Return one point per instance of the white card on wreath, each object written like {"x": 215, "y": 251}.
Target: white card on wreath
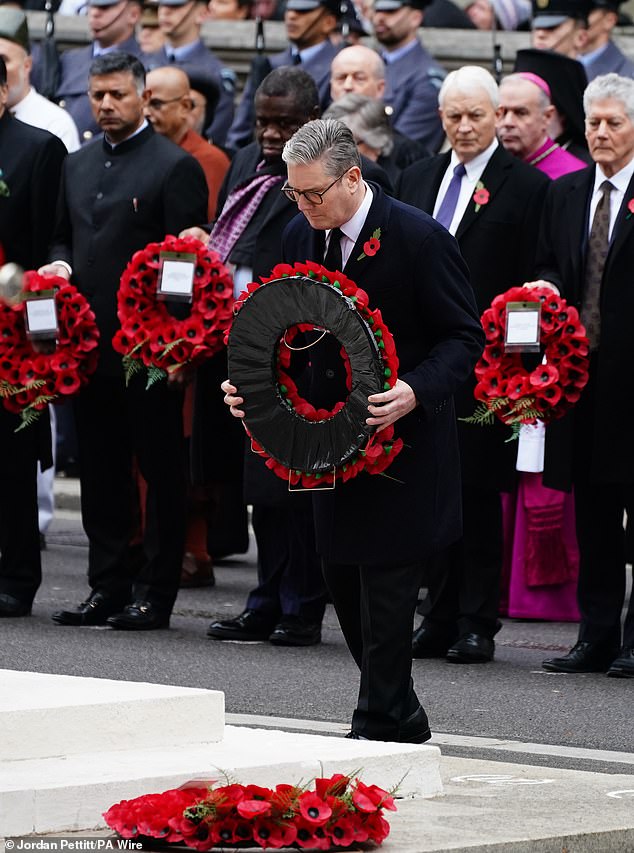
{"x": 41, "y": 316}
{"x": 176, "y": 276}
{"x": 522, "y": 326}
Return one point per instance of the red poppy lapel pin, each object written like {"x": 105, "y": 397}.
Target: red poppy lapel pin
{"x": 630, "y": 208}
{"x": 371, "y": 246}
{"x": 4, "y": 189}
{"x": 481, "y": 196}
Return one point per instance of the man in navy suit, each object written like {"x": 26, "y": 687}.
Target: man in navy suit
{"x": 112, "y": 27}
{"x": 586, "y": 249}
{"x": 180, "y": 21}
{"x": 412, "y": 76}
{"x": 309, "y": 25}
{"x": 373, "y": 533}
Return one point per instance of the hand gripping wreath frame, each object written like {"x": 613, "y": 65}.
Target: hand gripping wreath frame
{"x": 311, "y": 447}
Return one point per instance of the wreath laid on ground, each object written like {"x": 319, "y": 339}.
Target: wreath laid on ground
{"x": 29, "y": 379}
{"x": 339, "y": 812}
{"x": 509, "y": 391}
{"x": 154, "y": 340}
{"x": 303, "y": 444}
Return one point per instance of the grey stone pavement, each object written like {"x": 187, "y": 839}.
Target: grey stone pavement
{"x": 531, "y": 761}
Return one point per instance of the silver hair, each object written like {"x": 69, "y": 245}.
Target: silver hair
{"x": 323, "y": 139}
{"x": 468, "y": 80}
{"x": 367, "y": 120}
{"x": 543, "y": 101}
{"x": 610, "y": 86}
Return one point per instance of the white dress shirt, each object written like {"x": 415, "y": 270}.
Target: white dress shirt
{"x": 36, "y": 110}
{"x": 473, "y": 172}
{"x": 620, "y": 182}
{"x": 351, "y": 229}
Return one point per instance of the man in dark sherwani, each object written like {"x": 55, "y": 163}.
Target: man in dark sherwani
{"x": 117, "y": 195}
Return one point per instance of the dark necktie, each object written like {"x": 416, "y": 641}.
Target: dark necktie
{"x": 333, "y": 259}
{"x": 448, "y": 205}
{"x": 598, "y": 245}
{"x": 297, "y": 59}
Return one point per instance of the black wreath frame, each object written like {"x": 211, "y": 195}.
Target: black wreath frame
{"x": 258, "y": 327}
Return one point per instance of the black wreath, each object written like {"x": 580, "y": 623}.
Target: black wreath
{"x": 259, "y": 326}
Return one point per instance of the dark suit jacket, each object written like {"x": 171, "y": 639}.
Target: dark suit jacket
{"x": 412, "y": 86}
{"x": 200, "y": 56}
{"x": 112, "y": 203}
{"x": 73, "y": 85}
{"x": 498, "y": 243}
{"x": 420, "y": 283}
{"x": 318, "y": 67}
{"x": 608, "y": 453}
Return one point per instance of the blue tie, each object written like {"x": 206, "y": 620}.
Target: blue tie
{"x": 449, "y": 202}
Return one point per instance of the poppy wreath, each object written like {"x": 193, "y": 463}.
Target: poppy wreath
{"x": 30, "y": 380}
{"x": 150, "y": 337}
{"x": 291, "y": 421}
{"x": 508, "y": 390}
{"x": 339, "y": 813}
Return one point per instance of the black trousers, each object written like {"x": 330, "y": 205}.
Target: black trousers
{"x": 464, "y": 579}
{"x": 290, "y": 581}
{"x": 375, "y": 607}
{"x": 20, "y": 564}
{"x": 601, "y": 590}
{"x": 116, "y": 424}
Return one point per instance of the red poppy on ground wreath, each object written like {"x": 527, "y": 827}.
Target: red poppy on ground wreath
{"x": 382, "y": 447}
{"x": 506, "y": 389}
{"x": 340, "y": 812}
{"x": 150, "y": 337}
{"x": 30, "y": 380}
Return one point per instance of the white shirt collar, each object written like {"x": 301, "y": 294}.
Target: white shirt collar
{"x": 352, "y": 228}
{"x": 620, "y": 181}
{"x": 475, "y": 167}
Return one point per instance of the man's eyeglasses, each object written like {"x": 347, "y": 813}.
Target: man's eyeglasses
{"x": 158, "y": 104}
{"x": 311, "y": 196}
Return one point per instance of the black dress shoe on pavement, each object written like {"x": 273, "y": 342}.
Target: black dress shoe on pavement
{"x": 431, "y": 641}
{"x": 355, "y": 736}
{"x": 415, "y": 729}
{"x": 11, "y": 606}
{"x": 94, "y": 611}
{"x": 471, "y": 648}
{"x": 250, "y": 625}
{"x": 139, "y": 616}
{"x": 583, "y": 657}
{"x": 623, "y": 666}
{"x": 295, "y": 631}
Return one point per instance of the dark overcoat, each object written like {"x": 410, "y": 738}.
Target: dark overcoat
{"x": 608, "y": 449}
{"x": 498, "y": 243}
{"x": 420, "y": 283}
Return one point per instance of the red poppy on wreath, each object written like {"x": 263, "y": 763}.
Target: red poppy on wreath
{"x": 630, "y": 208}
{"x": 371, "y": 246}
{"x": 29, "y": 379}
{"x": 151, "y": 339}
{"x": 506, "y": 389}
{"x": 481, "y": 196}
{"x": 340, "y": 812}
{"x": 382, "y": 447}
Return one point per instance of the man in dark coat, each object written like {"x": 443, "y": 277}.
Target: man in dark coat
{"x": 586, "y": 250}
{"x": 412, "y": 76}
{"x": 373, "y": 533}
{"x": 181, "y": 22}
{"x": 497, "y": 240}
{"x": 112, "y": 28}
{"x": 118, "y": 194}
{"x": 309, "y": 25}
{"x": 31, "y": 166}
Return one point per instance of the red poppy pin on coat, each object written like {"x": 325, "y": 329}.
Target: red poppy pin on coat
{"x": 371, "y": 246}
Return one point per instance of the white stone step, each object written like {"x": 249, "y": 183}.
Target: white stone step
{"x": 78, "y": 745}
{"x": 43, "y": 715}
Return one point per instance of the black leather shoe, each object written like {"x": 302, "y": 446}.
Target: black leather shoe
{"x": 250, "y": 625}
{"x": 295, "y": 631}
{"x": 94, "y": 611}
{"x": 583, "y": 657}
{"x": 355, "y": 736}
{"x": 431, "y": 641}
{"x": 471, "y": 648}
{"x": 415, "y": 729}
{"x": 623, "y": 666}
{"x": 139, "y": 616}
{"x": 11, "y": 606}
